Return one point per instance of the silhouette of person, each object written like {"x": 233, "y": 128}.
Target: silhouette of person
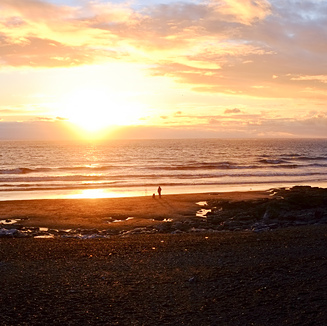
{"x": 159, "y": 191}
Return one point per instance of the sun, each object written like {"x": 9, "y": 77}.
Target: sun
{"x": 94, "y": 110}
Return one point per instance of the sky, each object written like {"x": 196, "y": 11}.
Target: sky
{"x": 74, "y": 69}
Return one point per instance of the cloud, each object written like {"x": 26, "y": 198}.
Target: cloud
{"x": 216, "y": 46}
{"x": 311, "y": 127}
{"x": 245, "y": 12}
{"x": 285, "y": 43}
{"x": 34, "y": 9}
{"x": 318, "y": 78}
{"x": 61, "y": 119}
{"x": 263, "y": 124}
{"x": 56, "y": 119}
{"x": 35, "y": 130}
{"x": 36, "y": 52}
{"x": 36, "y": 33}
{"x": 42, "y": 119}
{"x": 256, "y": 125}
{"x": 96, "y": 24}
{"x": 229, "y": 111}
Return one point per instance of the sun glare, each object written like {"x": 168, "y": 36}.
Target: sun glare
{"x": 91, "y": 194}
{"x": 99, "y": 193}
{"x": 94, "y": 110}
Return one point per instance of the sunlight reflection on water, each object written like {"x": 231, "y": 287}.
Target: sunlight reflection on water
{"x": 202, "y": 203}
{"x": 8, "y": 221}
{"x": 203, "y": 212}
{"x": 44, "y": 236}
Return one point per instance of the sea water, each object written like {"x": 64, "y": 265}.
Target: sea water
{"x": 30, "y": 170}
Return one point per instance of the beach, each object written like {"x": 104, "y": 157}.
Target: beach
{"x": 270, "y": 278}
{"x": 100, "y": 213}
{"x": 199, "y": 212}
{"x": 166, "y": 262}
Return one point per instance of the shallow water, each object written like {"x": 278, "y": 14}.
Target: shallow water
{"x": 30, "y": 170}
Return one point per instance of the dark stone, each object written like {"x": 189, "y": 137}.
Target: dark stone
{"x": 300, "y": 205}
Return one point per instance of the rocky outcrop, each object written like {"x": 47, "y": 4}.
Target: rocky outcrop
{"x": 287, "y": 207}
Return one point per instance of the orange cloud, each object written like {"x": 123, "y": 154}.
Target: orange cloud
{"x": 217, "y": 46}
{"x": 36, "y": 52}
{"x": 229, "y": 111}
{"x": 167, "y": 31}
{"x": 245, "y": 12}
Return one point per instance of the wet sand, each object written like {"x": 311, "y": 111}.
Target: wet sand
{"x": 96, "y": 213}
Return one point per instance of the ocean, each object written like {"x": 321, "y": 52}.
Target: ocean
{"x": 38, "y": 170}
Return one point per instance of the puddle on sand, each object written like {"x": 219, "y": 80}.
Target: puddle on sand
{"x": 45, "y": 236}
{"x": 202, "y": 212}
{"x": 8, "y": 221}
{"x": 202, "y": 203}
{"x": 118, "y": 221}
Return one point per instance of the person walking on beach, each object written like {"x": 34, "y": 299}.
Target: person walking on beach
{"x": 159, "y": 191}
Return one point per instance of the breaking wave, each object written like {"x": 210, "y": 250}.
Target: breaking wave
{"x": 164, "y": 162}
{"x": 23, "y": 170}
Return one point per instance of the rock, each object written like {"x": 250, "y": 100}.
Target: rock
{"x": 181, "y": 226}
{"x": 257, "y": 227}
{"x": 8, "y": 233}
{"x": 287, "y": 207}
{"x": 165, "y": 227}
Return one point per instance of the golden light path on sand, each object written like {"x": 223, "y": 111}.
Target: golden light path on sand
{"x": 142, "y": 191}
{"x": 94, "y": 193}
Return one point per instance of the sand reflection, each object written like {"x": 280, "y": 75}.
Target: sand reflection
{"x": 94, "y": 193}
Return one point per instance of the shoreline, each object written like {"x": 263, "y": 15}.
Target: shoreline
{"x": 145, "y": 191}
{"x": 90, "y": 212}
